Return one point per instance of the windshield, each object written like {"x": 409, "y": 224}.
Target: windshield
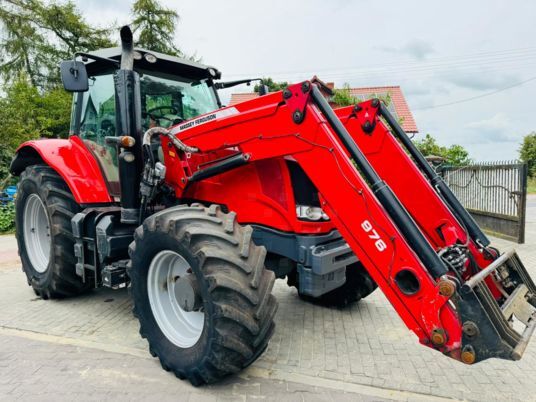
{"x": 168, "y": 101}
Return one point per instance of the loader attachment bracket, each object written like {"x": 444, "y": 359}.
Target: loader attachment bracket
{"x": 296, "y": 97}
{"x": 366, "y": 113}
{"x": 490, "y": 329}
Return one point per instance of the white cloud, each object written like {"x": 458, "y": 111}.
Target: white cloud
{"x": 416, "y": 48}
{"x": 481, "y": 81}
{"x": 495, "y": 129}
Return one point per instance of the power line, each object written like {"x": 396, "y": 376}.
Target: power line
{"x": 451, "y": 61}
{"x": 419, "y": 74}
{"x": 478, "y": 96}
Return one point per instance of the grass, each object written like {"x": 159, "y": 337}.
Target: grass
{"x": 531, "y": 185}
{"x": 7, "y": 218}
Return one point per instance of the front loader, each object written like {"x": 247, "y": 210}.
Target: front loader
{"x": 197, "y": 208}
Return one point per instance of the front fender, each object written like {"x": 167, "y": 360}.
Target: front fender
{"x": 72, "y": 161}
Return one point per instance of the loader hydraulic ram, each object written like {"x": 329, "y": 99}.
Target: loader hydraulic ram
{"x": 421, "y": 247}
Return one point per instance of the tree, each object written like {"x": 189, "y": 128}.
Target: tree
{"x": 527, "y": 152}
{"x": 27, "y": 114}
{"x": 272, "y": 85}
{"x": 455, "y": 155}
{"x": 155, "y": 26}
{"x": 343, "y": 96}
{"x": 37, "y": 35}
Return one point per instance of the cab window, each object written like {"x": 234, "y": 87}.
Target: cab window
{"x": 95, "y": 121}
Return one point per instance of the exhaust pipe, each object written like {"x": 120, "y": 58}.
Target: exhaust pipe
{"x": 128, "y": 122}
{"x": 127, "y": 48}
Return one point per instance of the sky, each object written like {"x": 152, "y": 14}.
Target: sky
{"x": 467, "y": 68}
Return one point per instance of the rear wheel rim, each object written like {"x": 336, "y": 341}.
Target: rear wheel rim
{"x": 36, "y": 228}
{"x": 180, "y": 327}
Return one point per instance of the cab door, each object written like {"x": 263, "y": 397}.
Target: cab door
{"x": 93, "y": 120}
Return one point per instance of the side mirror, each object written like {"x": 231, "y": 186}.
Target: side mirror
{"x": 74, "y": 76}
{"x": 263, "y": 89}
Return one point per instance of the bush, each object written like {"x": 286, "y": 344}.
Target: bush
{"x": 531, "y": 189}
{"x": 455, "y": 155}
{"x": 7, "y": 218}
{"x": 528, "y": 152}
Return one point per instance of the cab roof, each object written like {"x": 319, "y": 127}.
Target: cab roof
{"x": 164, "y": 63}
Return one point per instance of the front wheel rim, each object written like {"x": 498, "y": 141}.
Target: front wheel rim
{"x": 180, "y": 327}
{"x": 37, "y": 237}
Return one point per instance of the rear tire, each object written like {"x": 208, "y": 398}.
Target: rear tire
{"x": 43, "y": 210}
{"x": 237, "y": 305}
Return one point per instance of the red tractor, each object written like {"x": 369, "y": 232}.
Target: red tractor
{"x": 199, "y": 207}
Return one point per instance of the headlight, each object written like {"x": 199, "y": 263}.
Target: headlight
{"x": 311, "y": 213}
{"x": 151, "y": 58}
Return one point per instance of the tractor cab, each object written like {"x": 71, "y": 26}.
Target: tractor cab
{"x": 171, "y": 90}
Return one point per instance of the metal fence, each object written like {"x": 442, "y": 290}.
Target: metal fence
{"x": 494, "y": 193}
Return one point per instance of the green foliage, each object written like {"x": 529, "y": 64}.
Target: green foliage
{"x": 272, "y": 85}
{"x": 531, "y": 188}
{"x": 527, "y": 152}
{"x": 36, "y": 35}
{"x": 343, "y": 97}
{"x": 5, "y": 160}
{"x": 455, "y": 155}
{"x": 155, "y": 27}
{"x": 7, "y": 217}
{"x": 27, "y": 114}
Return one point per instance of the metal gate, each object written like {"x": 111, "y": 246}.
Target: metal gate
{"x": 495, "y": 194}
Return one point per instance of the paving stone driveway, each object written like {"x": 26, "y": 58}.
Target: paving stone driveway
{"x": 364, "y": 345}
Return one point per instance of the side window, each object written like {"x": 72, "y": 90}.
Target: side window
{"x": 97, "y": 121}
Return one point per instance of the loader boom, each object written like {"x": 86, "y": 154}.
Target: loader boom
{"x": 398, "y": 237}
{"x": 269, "y": 129}
{"x": 396, "y": 166}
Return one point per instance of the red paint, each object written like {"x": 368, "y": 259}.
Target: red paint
{"x": 76, "y": 165}
{"x": 261, "y": 191}
{"x": 264, "y": 129}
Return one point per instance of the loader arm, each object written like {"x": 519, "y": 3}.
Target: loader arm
{"x": 398, "y": 248}
{"x": 421, "y": 198}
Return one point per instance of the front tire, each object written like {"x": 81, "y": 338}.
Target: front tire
{"x": 233, "y": 323}
{"x": 43, "y": 210}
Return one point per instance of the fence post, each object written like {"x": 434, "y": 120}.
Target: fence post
{"x": 524, "y": 172}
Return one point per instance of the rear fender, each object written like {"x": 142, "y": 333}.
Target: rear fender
{"x": 72, "y": 161}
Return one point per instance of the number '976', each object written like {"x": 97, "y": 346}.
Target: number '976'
{"x": 373, "y": 234}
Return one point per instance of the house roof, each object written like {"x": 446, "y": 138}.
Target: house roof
{"x": 399, "y": 107}
{"x": 242, "y": 97}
